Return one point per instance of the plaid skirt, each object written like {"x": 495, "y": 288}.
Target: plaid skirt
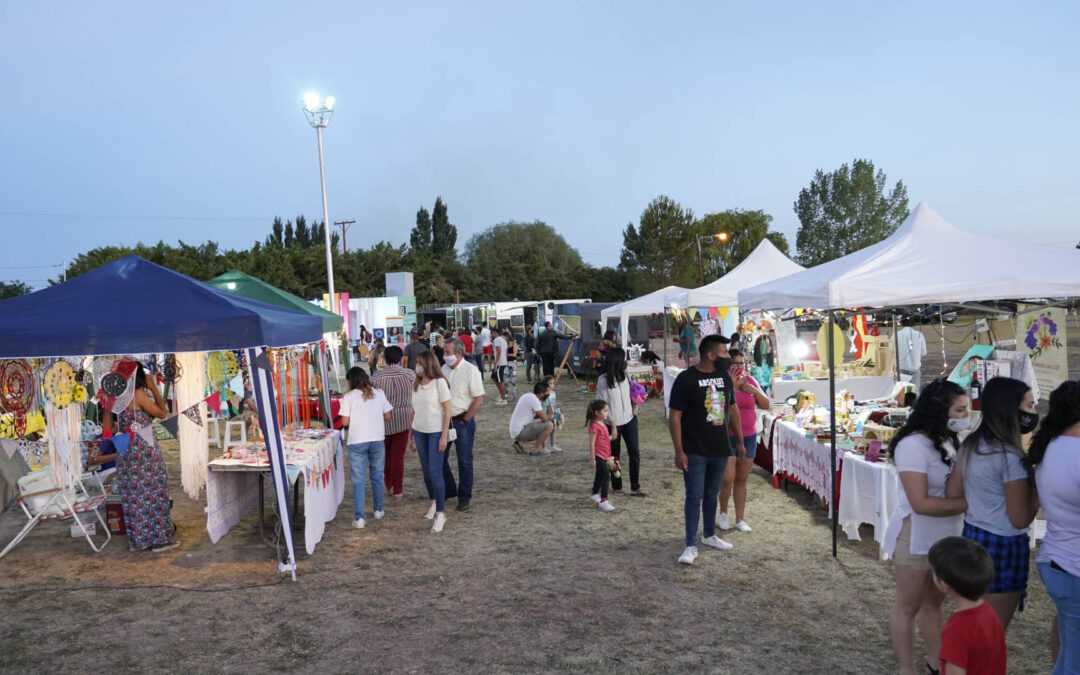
{"x": 1011, "y": 559}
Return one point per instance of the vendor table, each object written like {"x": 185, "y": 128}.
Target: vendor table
{"x": 313, "y": 457}
{"x": 867, "y": 495}
{"x": 796, "y": 457}
{"x": 864, "y": 388}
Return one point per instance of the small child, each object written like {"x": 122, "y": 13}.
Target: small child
{"x": 599, "y": 452}
{"x": 973, "y": 640}
{"x": 551, "y": 409}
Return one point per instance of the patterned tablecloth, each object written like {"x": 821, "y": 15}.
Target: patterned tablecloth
{"x": 797, "y": 457}
{"x": 312, "y": 456}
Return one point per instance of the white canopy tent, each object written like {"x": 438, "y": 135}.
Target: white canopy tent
{"x": 764, "y": 264}
{"x": 651, "y": 303}
{"x": 925, "y": 261}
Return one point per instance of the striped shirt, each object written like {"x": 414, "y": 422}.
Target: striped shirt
{"x": 397, "y": 383}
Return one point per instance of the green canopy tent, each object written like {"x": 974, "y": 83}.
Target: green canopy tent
{"x": 235, "y": 281}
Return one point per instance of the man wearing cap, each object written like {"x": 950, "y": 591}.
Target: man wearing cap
{"x": 414, "y": 349}
{"x": 466, "y": 397}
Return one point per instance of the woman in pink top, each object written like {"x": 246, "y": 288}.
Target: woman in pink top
{"x": 749, "y": 397}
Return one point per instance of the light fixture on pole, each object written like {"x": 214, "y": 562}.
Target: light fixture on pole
{"x": 319, "y": 111}
{"x": 721, "y": 237}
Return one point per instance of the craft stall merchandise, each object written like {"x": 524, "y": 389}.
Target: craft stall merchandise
{"x": 300, "y": 386}
{"x": 795, "y": 446}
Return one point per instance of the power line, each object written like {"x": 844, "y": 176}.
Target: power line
{"x": 33, "y": 214}
{"x": 29, "y": 267}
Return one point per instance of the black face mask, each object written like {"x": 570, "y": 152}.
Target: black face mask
{"x": 1028, "y": 421}
{"x": 722, "y": 363}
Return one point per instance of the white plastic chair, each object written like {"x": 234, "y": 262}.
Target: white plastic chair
{"x": 213, "y": 431}
{"x": 229, "y": 426}
{"x": 45, "y": 501}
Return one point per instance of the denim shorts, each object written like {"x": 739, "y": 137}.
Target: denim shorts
{"x": 749, "y": 442}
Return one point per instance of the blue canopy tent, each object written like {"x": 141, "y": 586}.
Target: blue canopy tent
{"x": 133, "y": 306}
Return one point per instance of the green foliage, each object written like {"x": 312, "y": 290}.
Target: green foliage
{"x": 660, "y": 250}
{"x": 13, "y": 289}
{"x": 745, "y": 230}
{"x": 443, "y": 234}
{"x": 845, "y": 210}
{"x": 522, "y": 261}
{"x": 420, "y": 238}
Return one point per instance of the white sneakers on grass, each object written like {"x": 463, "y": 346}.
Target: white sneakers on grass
{"x": 606, "y": 506}
{"x": 722, "y": 521}
{"x": 741, "y": 526}
{"x": 717, "y": 543}
{"x": 430, "y": 512}
{"x": 440, "y": 521}
{"x": 688, "y": 556}
{"x": 379, "y": 515}
{"x": 595, "y": 498}
{"x": 358, "y": 524}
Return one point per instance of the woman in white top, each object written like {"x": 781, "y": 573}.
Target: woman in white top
{"x": 1055, "y": 456}
{"x": 990, "y": 475}
{"x": 431, "y": 431}
{"x": 613, "y": 388}
{"x": 363, "y": 411}
{"x": 923, "y": 452}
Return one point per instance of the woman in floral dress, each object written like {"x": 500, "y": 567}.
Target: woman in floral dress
{"x": 144, "y": 482}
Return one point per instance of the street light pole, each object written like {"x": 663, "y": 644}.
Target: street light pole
{"x": 319, "y": 111}
{"x": 721, "y": 237}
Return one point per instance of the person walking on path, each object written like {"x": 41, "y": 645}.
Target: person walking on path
{"x": 414, "y": 349}
{"x": 431, "y": 432}
{"x": 467, "y": 395}
{"x": 478, "y": 350}
{"x": 397, "y": 384}
{"x": 686, "y": 341}
{"x": 702, "y": 407}
{"x": 529, "y": 422}
{"x": 530, "y": 351}
{"x": 365, "y": 410}
{"x": 911, "y": 349}
{"x": 488, "y": 352}
{"x": 466, "y": 339}
{"x": 498, "y": 367}
{"x": 749, "y": 397}
{"x": 596, "y": 419}
{"x": 512, "y": 351}
{"x": 613, "y": 387}
{"x": 552, "y": 410}
{"x": 547, "y": 346}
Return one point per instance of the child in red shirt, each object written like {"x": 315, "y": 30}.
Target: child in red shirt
{"x": 599, "y": 452}
{"x": 973, "y": 640}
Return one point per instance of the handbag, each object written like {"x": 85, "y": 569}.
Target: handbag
{"x": 451, "y": 435}
{"x": 613, "y": 467}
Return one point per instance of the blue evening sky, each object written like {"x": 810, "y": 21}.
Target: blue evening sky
{"x": 134, "y": 121}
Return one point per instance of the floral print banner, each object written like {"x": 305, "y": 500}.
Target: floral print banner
{"x": 1041, "y": 332}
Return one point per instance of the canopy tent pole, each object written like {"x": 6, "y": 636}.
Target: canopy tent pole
{"x": 832, "y": 436}
{"x": 896, "y": 347}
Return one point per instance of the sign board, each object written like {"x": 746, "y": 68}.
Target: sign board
{"x": 1040, "y": 331}
{"x": 395, "y": 326}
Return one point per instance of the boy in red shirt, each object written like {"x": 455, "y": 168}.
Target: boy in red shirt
{"x": 973, "y": 640}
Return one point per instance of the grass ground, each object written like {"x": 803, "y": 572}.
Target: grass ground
{"x": 532, "y": 579}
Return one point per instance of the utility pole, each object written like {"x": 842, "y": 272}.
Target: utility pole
{"x": 344, "y": 225}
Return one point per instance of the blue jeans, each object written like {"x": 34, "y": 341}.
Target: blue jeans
{"x": 749, "y": 442}
{"x": 1064, "y": 589}
{"x": 427, "y": 448}
{"x": 702, "y": 479}
{"x": 466, "y": 431}
{"x": 361, "y": 457}
{"x": 478, "y": 361}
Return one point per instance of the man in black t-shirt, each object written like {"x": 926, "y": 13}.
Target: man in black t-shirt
{"x": 702, "y": 406}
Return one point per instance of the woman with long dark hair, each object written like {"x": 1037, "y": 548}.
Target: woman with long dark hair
{"x": 613, "y": 388}
{"x": 990, "y": 475}
{"x": 431, "y": 431}
{"x": 923, "y": 451}
{"x": 1054, "y": 456}
{"x": 749, "y": 397}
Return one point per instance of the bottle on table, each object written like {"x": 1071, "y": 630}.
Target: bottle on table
{"x": 975, "y": 393}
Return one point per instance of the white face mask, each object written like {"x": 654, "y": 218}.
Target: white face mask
{"x": 958, "y": 424}
{"x": 450, "y": 359}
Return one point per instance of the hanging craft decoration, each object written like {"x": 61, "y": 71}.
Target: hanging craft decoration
{"x": 232, "y": 364}
{"x": 17, "y": 391}
{"x": 58, "y": 386}
{"x": 192, "y": 414}
{"x": 190, "y": 431}
{"x": 172, "y": 371}
{"x": 217, "y": 370}
{"x": 118, "y": 385}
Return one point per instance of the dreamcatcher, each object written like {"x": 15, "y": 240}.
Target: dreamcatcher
{"x": 117, "y": 387}
{"x": 58, "y": 386}
{"x": 63, "y": 416}
{"x": 171, "y": 370}
{"x": 217, "y": 372}
{"x": 17, "y": 391}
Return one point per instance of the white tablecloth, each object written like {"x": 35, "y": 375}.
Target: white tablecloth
{"x": 315, "y": 458}
{"x": 802, "y": 458}
{"x": 867, "y": 495}
{"x": 864, "y": 388}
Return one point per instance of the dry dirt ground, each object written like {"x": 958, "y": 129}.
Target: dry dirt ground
{"x": 532, "y": 579}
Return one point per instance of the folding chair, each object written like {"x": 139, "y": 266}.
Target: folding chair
{"x": 42, "y": 500}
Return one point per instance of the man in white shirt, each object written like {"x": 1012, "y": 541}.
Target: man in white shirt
{"x": 498, "y": 369}
{"x": 529, "y": 423}
{"x": 466, "y": 397}
{"x": 911, "y": 348}
{"x": 486, "y": 347}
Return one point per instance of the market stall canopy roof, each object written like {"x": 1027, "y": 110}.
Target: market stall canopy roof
{"x": 765, "y": 263}
{"x": 245, "y": 285}
{"x": 133, "y": 306}
{"x": 926, "y": 260}
{"x": 651, "y": 303}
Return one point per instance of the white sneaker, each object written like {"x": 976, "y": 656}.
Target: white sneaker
{"x": 741, "y": 526}
{"x": 430, "y": 512}
{"x": 501, "y": 402}
{"x": 716, "y": 542}
{"x": 688, "y": 556}
{"x": 358, "y": 524}
{"x": 595, "y": 498}
{"x": 556, "y": 448}
{"x": 722, "y": 522}
{"x": 606, "y": 506}
{"x": 379, "y": 515}
{"x": 440, "y": 520}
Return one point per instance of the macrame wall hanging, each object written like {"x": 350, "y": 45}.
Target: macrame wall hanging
{"x": 194, "y": 451}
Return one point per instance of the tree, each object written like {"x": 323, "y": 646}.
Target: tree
{"x": 744, "y": 229}
{"x": 443, "y": 234}
{"x": 420, "y": 238}
{"x": 302, "y": 234}
{"x": 845, "y": 210}
{"x": 524, "y": 261}
{"x": 660, "y": 250}
{"x": 13, "y": 289}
